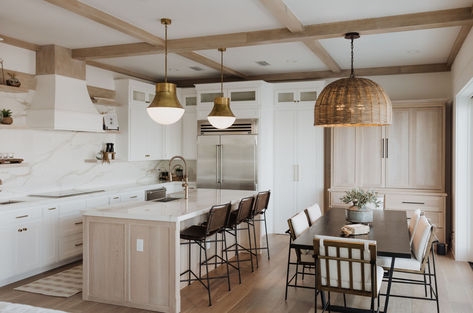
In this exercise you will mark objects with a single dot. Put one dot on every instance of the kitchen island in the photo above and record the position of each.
(132, 254)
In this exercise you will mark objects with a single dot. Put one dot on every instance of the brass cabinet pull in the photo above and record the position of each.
(147, 155)
(20, 230)
(78, 244)
(382, 152)
(25, 229)
(413, 202)
(133, 197)
(387, 148)
(22, 216)
(51, 209)
(115, 198)
(78, 223)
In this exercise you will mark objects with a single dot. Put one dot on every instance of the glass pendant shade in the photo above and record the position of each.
(165, 108)
(221, 116)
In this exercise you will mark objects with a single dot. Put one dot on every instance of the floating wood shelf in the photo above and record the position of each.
(105, 101)
(20, 89)
(13, 126)
(10, 165)
(111, 131)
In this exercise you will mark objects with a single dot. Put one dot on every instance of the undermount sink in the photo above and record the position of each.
(167, 199)
(10, 202)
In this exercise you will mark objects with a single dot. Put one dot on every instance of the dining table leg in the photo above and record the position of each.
(390, 279)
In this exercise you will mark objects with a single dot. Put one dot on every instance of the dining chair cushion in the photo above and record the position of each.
(345, 267)
(298, 224)
(414, 220)
(421, 238)
(411, 264)
(313, 213)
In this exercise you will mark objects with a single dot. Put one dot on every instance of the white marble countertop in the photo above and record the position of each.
(199, 202)
(28, 201)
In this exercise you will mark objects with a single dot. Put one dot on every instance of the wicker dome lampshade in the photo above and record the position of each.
(353, 101)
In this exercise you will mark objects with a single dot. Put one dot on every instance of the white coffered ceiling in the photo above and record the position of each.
(40, 22)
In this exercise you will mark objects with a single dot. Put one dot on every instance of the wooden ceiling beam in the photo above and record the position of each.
(378, 25)
(18, 43)
(464, 31)
(371, 71)
(285, 16)
(150, 41)
(111, 21)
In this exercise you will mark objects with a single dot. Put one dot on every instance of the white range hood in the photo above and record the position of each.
(63, 103)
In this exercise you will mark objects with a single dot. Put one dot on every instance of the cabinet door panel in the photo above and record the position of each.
(189, 138)
(139, 135)
(310, 161)
(28, 243)
(284, 164)
(8, 247)
(428, 148)
(50, 236)
(344, 160)
(398, 150)
(371, 161)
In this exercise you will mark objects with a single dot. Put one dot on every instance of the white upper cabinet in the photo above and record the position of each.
(188, 98)
(140, 137)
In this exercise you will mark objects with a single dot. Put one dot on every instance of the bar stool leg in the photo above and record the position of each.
(266, 231)
(216, 250)
(256, 244)
(237, 254)
(200, 263)
(189, 264)
(207, 271)
(287, 276)
(224, 237)
(249, 242)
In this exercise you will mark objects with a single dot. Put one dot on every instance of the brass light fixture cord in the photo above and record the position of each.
(221, 72)
(165, 52)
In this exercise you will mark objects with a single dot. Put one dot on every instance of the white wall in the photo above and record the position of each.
(415, 86)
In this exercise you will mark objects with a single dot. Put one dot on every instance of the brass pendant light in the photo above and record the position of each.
(221, 116)
(165, 108)
(353, 101)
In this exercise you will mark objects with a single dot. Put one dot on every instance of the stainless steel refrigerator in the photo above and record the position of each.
(226, 162)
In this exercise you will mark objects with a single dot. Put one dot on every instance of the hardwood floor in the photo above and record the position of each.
(263, 292)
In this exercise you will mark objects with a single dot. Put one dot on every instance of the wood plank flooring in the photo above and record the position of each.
(263, 292)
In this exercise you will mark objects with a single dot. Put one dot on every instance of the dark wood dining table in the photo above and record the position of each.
(389, 229)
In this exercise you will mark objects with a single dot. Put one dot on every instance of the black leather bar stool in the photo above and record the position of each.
(260, 208)
(241, 215)
(198, 234)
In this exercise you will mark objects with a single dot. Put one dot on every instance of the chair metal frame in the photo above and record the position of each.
(260, 211)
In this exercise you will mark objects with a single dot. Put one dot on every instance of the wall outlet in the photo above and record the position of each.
(139, 245)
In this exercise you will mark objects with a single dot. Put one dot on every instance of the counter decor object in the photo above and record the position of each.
(10, 161)
(359, 212)
(13, 81)
(110, 121)
(7, 118)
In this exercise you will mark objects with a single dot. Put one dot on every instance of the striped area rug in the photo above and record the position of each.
(64, 284)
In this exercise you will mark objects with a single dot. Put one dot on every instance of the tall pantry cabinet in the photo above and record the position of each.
(404, 161)
(298, 151)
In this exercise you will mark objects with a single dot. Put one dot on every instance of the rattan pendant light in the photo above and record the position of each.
(165, 108)
(353, 101)
(221, 116)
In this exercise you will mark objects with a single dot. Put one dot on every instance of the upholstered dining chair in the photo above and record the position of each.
(313, 213)
(413, 221)
(347, 266)
(297, 225)
(422, 262)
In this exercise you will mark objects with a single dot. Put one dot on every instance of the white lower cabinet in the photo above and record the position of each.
(8, 235)
(49, 235)
(70, 228)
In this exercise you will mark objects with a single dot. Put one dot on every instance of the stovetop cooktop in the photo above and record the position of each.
(66, 193)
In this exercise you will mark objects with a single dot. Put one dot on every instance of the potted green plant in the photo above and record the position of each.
(6, 117)
(359, 212)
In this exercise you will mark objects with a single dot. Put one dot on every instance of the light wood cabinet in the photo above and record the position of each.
(403, 161)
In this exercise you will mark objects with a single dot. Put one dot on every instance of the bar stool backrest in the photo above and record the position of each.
(346, 265)
(244, 209)
(261, 203)
(218, 217)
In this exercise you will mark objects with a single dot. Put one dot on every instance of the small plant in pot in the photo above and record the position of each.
(6, 117)
(359, 212)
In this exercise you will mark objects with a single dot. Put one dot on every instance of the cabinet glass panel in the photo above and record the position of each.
(191, 101)
(151, 98)
(308, 96)
(243, 96)
(139, 96)
(286, 97)
(209, 97)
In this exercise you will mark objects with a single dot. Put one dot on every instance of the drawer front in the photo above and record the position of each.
(132, 196)
(70, 246)
(100, 202)
(413, 202)
(72, 208)
(20, 216)
(115, 199)
(71, 224)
